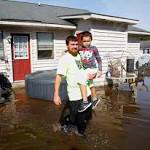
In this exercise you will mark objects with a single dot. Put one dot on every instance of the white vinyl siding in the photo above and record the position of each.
(134, 50)
(6, 63)
(111, 45)
(134, 47)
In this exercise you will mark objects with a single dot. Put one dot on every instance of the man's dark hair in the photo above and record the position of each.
(71, 38)
(85, 34)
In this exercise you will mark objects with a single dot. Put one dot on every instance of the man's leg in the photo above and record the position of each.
(83, 118)
(67, 119)
(76, 117)
(74, 106)
(2, 100)
(65, 112)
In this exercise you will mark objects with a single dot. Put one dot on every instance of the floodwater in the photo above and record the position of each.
(120, 122)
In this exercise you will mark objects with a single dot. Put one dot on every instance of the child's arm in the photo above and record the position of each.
(98, 58)
(99, 62)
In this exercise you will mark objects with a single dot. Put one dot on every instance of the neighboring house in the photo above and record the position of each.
(135, 39)
(32, 36)
(145, 47)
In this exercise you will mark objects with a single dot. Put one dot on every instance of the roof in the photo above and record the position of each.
(38, 13)
(137, 30)
(23, 12)
(91, 15)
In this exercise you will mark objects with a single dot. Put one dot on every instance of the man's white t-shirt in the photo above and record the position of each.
(69, 67)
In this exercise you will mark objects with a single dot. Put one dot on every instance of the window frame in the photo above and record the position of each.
(2, 56)
(52, 56)
(146, 51)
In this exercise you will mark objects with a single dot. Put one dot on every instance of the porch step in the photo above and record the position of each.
(18, 84)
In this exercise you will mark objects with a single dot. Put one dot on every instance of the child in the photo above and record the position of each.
(91, 64)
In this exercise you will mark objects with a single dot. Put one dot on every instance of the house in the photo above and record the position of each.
(138, 39)
(145, 47)
(32, 36)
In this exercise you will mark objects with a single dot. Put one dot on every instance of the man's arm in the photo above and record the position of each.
(57, 99)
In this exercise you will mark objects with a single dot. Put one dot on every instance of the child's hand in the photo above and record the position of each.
(91, 76)
(99, 73)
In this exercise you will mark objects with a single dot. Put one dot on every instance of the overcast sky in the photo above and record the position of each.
(134, 9)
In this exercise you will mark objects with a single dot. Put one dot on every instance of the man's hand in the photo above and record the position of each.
(57, 100)
(99, 73)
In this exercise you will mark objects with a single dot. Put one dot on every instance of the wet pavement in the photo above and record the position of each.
(120, 122)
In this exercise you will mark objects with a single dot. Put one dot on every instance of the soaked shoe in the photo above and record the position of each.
(84, 106)
(69, 129)
(65, 128)
(2, 100)
(80, 134)
(95, 103)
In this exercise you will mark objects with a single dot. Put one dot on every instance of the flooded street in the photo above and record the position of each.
(120, 122)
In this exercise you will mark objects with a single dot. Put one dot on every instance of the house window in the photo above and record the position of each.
(1, 45)
(45, 45)
(146, 51)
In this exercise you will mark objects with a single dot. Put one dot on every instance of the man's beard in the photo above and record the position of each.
(73, 53)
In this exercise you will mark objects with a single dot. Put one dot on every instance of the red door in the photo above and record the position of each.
(20, 56)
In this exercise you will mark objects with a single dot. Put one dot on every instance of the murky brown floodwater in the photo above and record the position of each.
(119, 123)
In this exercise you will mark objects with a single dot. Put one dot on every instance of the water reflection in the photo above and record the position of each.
(144, 93)
(118, 122)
